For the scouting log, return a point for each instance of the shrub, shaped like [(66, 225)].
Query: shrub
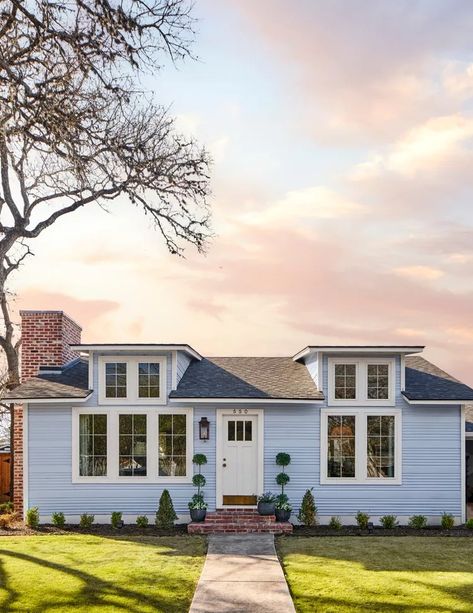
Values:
[(448, 521), (335, 523), (389, 521), (116, 519), (6, 507), (469, 524), (58, 520), (282, 479), (267, 497), (86, 520), (362, 520), (165, 515), (8, 519), (142, 521), (197, 501), (32, 517), (308, 511), (418, 522)]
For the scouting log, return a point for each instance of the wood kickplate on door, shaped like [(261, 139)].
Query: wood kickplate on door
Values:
[(239, 500)]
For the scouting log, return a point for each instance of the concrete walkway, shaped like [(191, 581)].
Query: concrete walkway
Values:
[(242, 574)]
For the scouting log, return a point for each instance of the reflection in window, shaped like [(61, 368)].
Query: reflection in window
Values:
[(240, 430), (345, 381), (172, 445), (93, 445), (148, 380), (115, 380), (378, 381), (380, 446), (341, 446), (132, 445)]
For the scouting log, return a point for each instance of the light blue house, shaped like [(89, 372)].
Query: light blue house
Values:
[(108, 427)]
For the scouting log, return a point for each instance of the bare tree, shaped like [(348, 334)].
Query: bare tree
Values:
[(75, 129)]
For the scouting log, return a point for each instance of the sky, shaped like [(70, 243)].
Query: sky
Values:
[(341, 134)]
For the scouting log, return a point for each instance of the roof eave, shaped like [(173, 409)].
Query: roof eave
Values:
[(441, 401), (54, 399), (247, 400), (405, 349), (86, 348)]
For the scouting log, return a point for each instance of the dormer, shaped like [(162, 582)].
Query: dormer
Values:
[(358, 375)]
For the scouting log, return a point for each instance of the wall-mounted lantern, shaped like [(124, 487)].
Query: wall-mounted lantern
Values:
[(204, 429)]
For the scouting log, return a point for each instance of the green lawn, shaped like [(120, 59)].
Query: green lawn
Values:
[(379, 573), (98, 574)]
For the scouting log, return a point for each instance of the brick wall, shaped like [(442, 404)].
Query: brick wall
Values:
[(45, 338)]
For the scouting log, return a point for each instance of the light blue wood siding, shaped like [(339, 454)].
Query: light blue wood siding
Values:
[(182, 362)]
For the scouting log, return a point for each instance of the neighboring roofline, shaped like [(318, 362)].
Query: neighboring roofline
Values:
[(54, 399), (406, 349), (450, 401), (247, 400), (137, 347)]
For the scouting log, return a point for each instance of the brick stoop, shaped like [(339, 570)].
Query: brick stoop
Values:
[(238, 521)]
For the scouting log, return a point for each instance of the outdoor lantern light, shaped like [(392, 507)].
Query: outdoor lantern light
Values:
[(204, 428)]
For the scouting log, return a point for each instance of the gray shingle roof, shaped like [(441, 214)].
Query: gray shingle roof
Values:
[(70, 383), (425, 381), (247, 377)]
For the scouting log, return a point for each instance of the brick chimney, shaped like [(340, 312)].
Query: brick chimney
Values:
[(45, 338)]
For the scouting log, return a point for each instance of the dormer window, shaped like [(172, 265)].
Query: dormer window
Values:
[(132, 380), (361, 381)]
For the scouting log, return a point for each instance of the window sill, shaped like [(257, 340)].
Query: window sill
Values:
[(374, 481), (332, 402), (130, 480)]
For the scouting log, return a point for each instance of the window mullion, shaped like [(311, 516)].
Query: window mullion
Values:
[(361, 446), (113, 444)]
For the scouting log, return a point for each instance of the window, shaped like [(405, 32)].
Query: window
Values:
[(117, 445), (132, 380), (345, 381), (360, 446), (341, 446), (148, 380), (380, 446), (240, 430), (361, 381), (132, 445), (378, 381), (172, 445), (115, 380), (93, 445)]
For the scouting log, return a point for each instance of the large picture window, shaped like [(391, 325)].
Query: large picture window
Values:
[(132, 445), (172, 445), (93, 445), (360, 446)]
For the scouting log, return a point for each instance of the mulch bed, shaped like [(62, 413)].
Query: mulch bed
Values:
[(380, 531), (97, 529)]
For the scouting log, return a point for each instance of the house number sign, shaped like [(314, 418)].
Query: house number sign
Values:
[(240, 411)]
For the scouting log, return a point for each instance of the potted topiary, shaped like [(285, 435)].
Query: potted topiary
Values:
[(197, 506), (283, 508), (266, 504)]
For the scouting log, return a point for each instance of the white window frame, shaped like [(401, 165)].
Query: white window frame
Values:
[(362, 382), (132, 390), (361, 451), (152, 455)]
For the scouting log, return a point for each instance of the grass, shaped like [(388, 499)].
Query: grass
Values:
[(99, 574), (340, 574)]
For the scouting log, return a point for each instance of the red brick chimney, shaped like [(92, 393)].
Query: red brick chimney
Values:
[(45, 338)]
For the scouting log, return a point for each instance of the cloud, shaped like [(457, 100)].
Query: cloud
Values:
[(423, 273)]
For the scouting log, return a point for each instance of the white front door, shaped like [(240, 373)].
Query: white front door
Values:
[(239, 457)]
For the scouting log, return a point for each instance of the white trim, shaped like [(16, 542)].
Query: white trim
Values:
[(362, 382), (246, 401), (259, 413), (25, 460), (355, 349), (173, 370), (440, 402), (403, 373), (132, 379), (48, 400), (463, 463), (152, 433), (144, 347), (90, 383), (320, 372), (361, 477), (468, 434)]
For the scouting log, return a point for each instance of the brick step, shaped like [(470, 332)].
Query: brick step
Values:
[(222, 518), (239, 528)]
